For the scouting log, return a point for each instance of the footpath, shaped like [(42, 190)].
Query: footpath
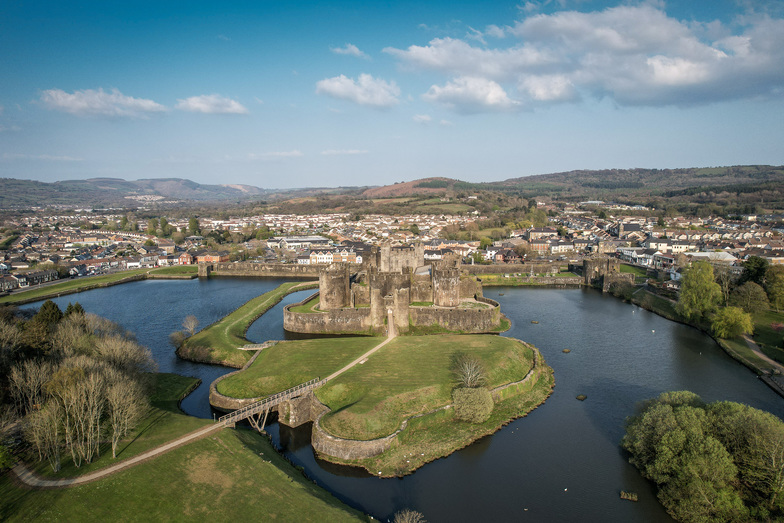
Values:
[(28, 477), (31, 479)]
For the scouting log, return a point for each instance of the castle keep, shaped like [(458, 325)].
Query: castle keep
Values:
[(394, 283)]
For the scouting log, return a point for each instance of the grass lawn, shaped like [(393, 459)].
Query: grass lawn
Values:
[(438, 434), (311, 307), (287, 364), (177, 270), (410, 376), (769, 340), (218, 342), (89, 282), (75, 285), (233, 475), (637, 271), (490, 280)]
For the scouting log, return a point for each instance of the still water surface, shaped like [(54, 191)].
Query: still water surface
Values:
[(560, 463)]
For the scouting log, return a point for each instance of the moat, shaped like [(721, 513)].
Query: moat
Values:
[(561, 463)]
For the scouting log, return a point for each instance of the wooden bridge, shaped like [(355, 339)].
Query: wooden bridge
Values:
[(256, 413)]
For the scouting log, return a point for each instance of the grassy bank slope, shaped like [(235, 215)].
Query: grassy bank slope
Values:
[(92, 282), (218, 343), (233, 475), (412, 375)]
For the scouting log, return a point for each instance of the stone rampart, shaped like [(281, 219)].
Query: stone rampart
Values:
[(513, 268), (276, 270), (460, 320), (347, 320), (226, 403)]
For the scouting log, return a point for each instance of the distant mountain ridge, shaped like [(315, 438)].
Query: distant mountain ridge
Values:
[(608, 184), (118, 192)]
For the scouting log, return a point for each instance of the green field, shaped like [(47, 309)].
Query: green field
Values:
[(176, 270), (767, 337), (287, 364), (233, 475), (218, 342), (412, 375), (438, 434), (90, 282), (311, 307)]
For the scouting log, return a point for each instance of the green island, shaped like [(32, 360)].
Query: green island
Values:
[(95, 282), (239, 462), (408, 384), (218, 343)]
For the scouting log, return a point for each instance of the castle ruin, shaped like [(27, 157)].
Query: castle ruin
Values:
[(395, 279)]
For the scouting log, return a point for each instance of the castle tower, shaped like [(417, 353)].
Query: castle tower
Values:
[(446, 282), (334, 291)]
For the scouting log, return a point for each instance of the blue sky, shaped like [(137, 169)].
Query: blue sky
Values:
[(296, 94)]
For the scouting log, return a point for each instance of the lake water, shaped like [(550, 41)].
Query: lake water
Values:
[(560, 463)]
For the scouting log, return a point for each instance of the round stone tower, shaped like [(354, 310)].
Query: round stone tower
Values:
[(446, 286), (334, 291)]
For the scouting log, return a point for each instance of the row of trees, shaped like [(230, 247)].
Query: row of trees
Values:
[(723, 461), (73, 380), (725, 300)]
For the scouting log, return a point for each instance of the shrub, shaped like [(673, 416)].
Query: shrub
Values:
[(472, 404)]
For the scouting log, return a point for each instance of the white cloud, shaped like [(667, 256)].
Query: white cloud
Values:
[(349, 50), (343, 152), (548, 88), (495, 31), (211, 104), (276, 154), (364, 91), (446, 123), (89, 102), (44, 157), (422, 118), (632, 54), (471, 94)]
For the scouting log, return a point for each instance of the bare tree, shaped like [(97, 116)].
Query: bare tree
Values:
[(27, 381), (126, 406), (409, 516), (124, 354), (725, 279), (71, 336), (469, 371), (42, 429), (190, 324)]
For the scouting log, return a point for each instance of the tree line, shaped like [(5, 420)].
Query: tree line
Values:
[(721, 461), (73, 381), (726, 301)]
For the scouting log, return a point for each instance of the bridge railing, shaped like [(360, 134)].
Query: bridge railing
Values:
[(270, 401)]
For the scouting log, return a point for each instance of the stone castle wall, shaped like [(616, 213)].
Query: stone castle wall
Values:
[(334, 291), (266, 269), (346, 320), (464, 320), (513, 268), (446, 286)]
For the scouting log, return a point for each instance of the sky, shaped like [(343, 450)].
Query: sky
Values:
[(354, 93)]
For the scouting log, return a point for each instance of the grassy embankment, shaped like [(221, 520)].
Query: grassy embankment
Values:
[(409, 377), (232, 475), (71, 286), (640, 274), (218, 343), (511, 280)]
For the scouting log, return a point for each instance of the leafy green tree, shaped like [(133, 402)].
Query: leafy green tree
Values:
[(152, 225), (731, 322), (750, 297), (193, 227), (755, 270), (774, 286), (700, 294), (49, 314), (472, 404)]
